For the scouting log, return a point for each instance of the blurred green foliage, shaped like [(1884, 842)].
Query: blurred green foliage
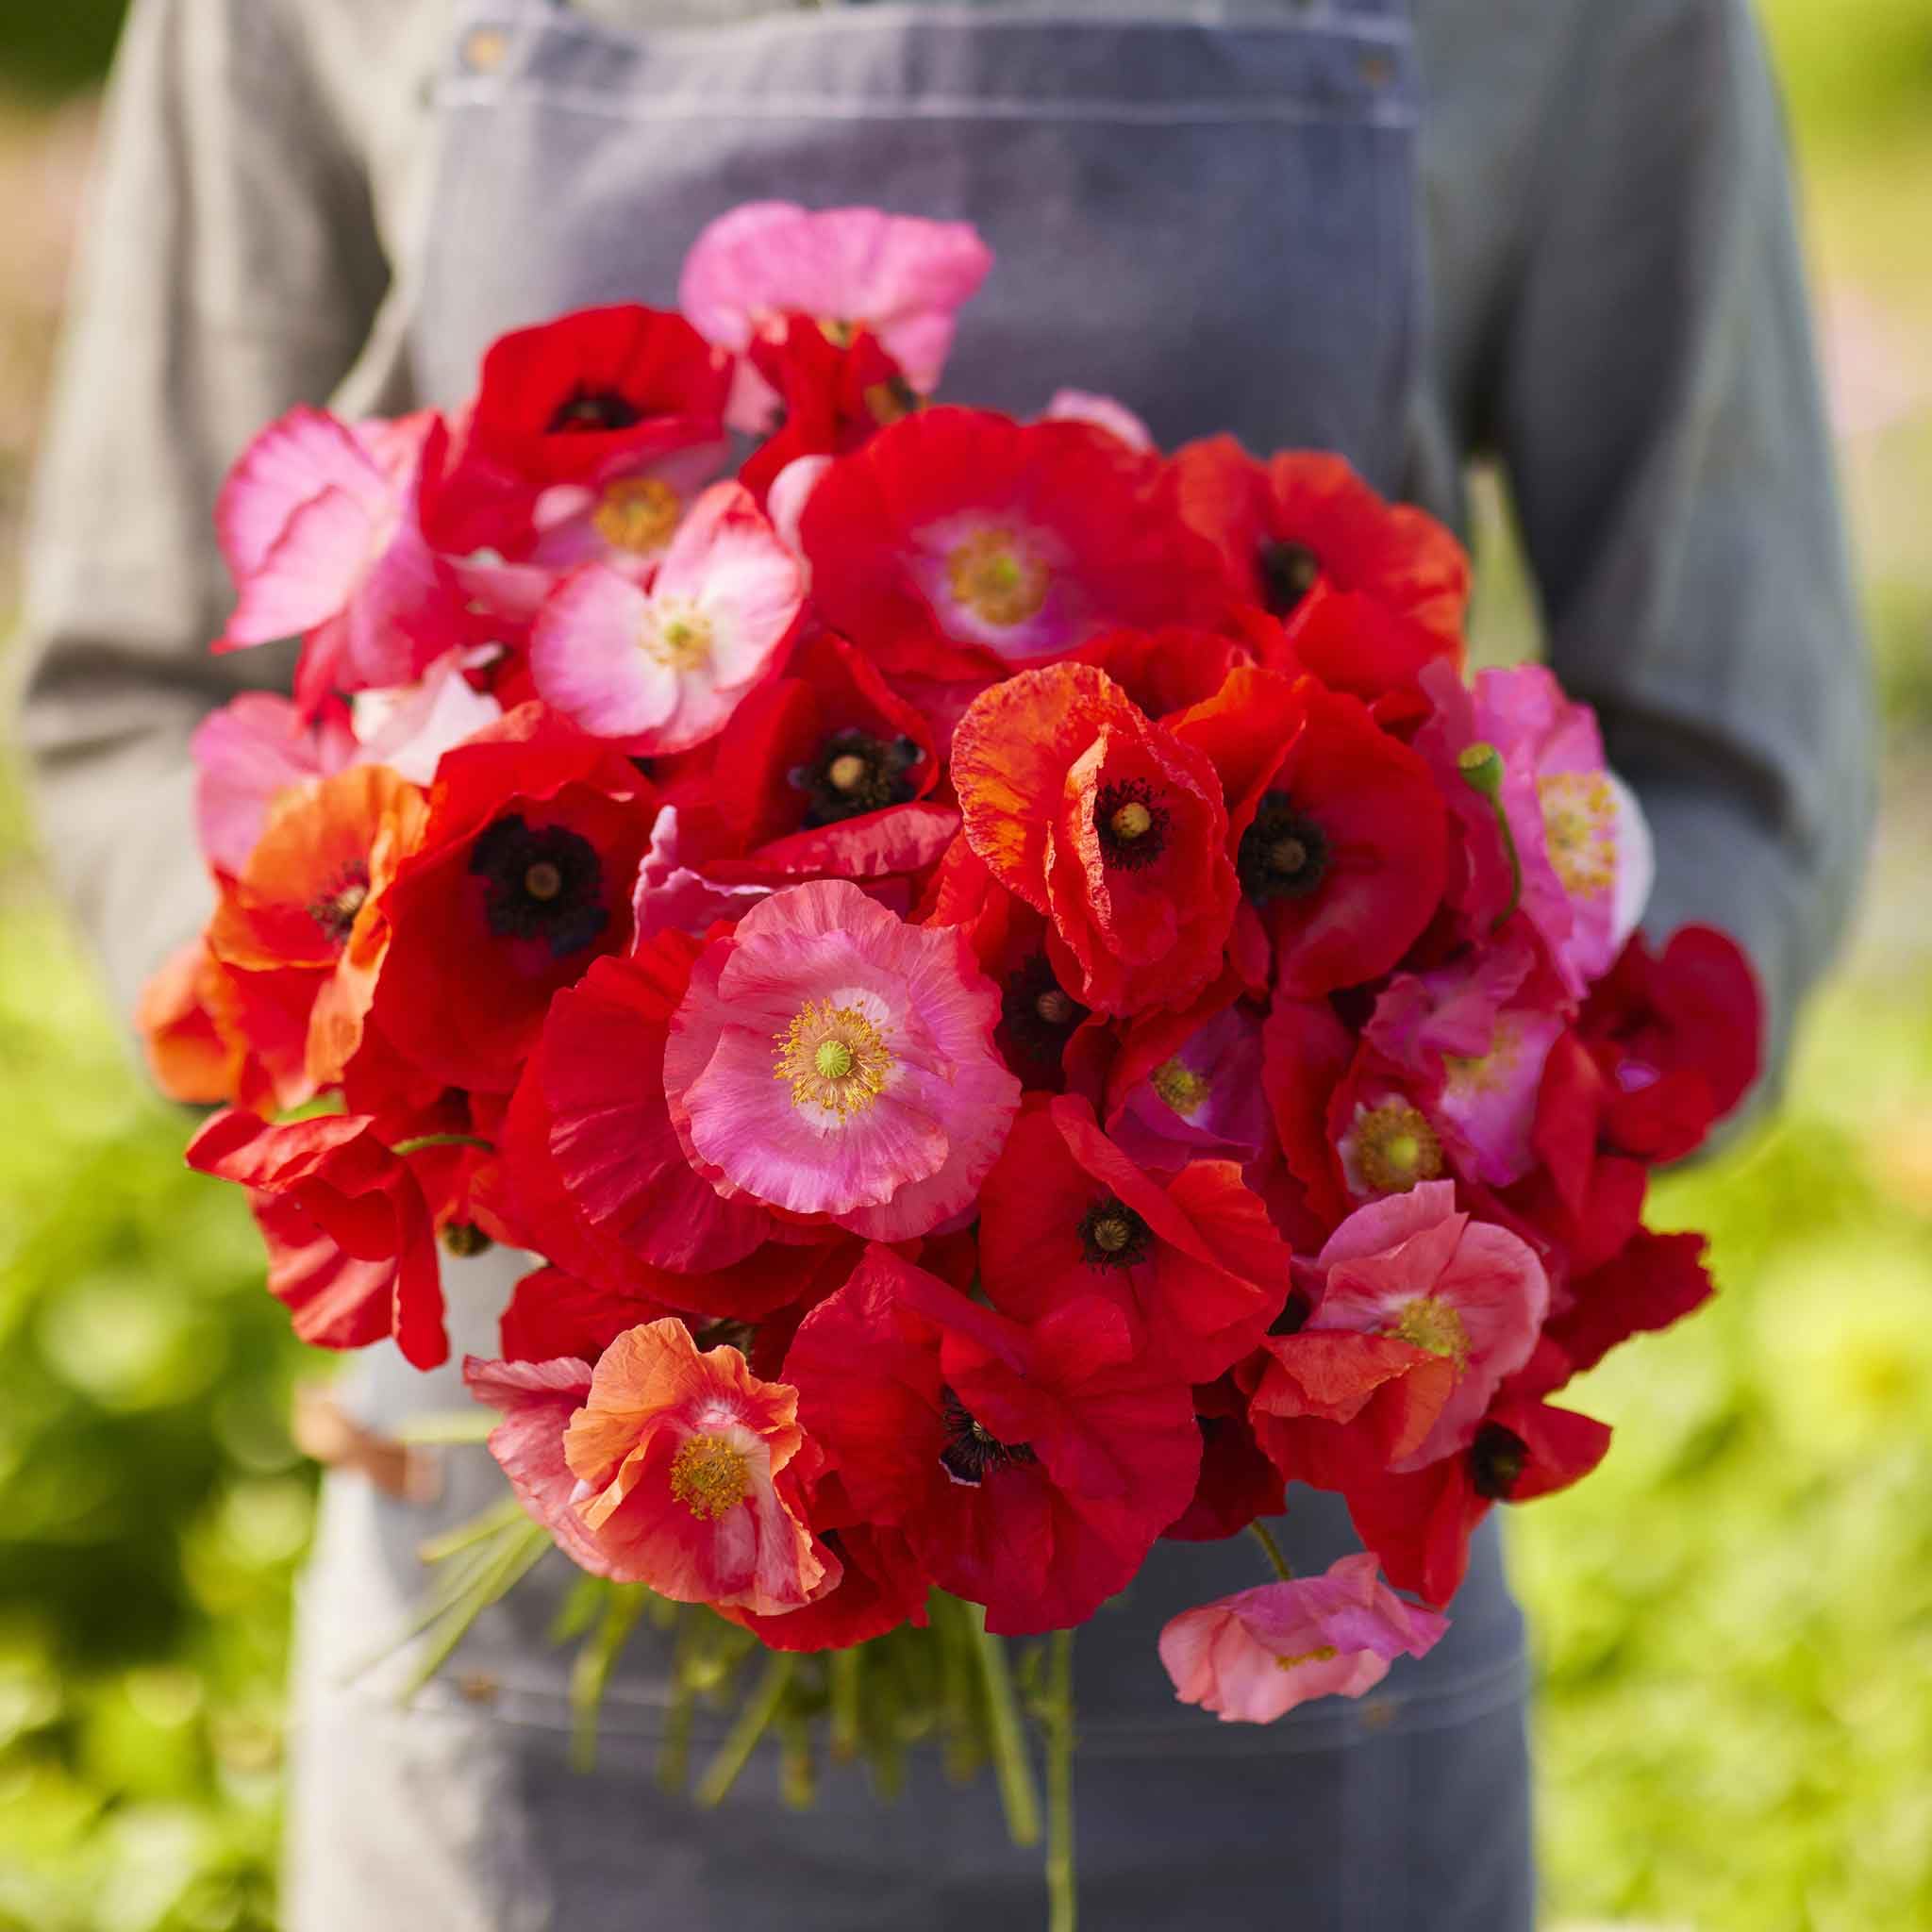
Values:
[(1733, 1617)]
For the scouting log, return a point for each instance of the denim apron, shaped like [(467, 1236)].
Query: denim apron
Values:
[(1208, 213)]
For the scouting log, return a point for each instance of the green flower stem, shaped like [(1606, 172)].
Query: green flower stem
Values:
[(465, 1536), (1267, 1541), (591, 1672), (1018, 1795), (405, 1148), (673, 1760), (1481, 766), (1061, 1885), (843, 1668), (754, 1721), (520, 1554)]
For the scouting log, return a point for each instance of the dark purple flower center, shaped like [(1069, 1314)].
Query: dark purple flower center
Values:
[(971, 1453), (335, 910), (1284, 854), (1041, 1016), (594, 412), (541, 882), (1113, 1236), (1289, 573), (855, 773), (1132, 824), (1497, 1460)]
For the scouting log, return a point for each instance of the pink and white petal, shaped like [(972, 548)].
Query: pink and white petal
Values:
[(1636, 867), (588, 660), (1103, 412), (409, 727), (675, 895), (538, 1400), (786, 499), (256, 746), (298, 459)]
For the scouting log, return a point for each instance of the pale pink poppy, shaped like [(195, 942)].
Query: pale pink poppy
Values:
[(674, 894), (662, 669), (789, 492), (627, 521), (829, 1059), (246, 754), (1415, 1267), (1253, 1656), (409, 727), (1203, 1101), (901, 277), (320, 522)]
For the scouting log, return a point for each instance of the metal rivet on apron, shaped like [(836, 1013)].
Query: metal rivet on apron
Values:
[(484, 49), (1378, 69)]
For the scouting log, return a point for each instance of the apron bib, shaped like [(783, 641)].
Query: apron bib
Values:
[(1212, 221)]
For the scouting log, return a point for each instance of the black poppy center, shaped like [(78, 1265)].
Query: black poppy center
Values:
[(1496, 1458), (1113, 1236), (1284, 854), (594, 412), (542, 882), (1289, 573), (972, 1452), (1132, 824), (1039, 1014), (335, 910), (855, 773)]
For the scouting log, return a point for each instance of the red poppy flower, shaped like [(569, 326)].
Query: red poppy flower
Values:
[(1166, 671), (1030, 1467), (1195, 1264), (827, 746), (1238, 1484), (1337, 830), (605, 390), (1420, 1524), (1654, 1280), (552, 1314), (1304, 520), (1108, 824), (523, 875), (299, 928), (958, 541), (351, 1249), (194, 1052), (835, 389)]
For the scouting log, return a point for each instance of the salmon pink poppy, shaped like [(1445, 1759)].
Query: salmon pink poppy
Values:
[(1105, 822), (684, 1461), (831, 1059), (958, 541), (899, 277), (321, 525), (1253, 1656), (1416, 1270), (1194, 1263), (662, 669)]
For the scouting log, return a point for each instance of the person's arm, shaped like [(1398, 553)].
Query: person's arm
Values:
[(1657, 404), (229, 267)]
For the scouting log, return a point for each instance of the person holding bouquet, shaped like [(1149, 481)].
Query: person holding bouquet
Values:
[(1556, 234)]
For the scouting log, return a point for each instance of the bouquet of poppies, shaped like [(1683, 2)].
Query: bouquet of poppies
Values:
[(1018, 996)]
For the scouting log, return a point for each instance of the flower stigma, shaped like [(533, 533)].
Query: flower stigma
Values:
[(833, 1058), (1183, 1090), (679, 637), (1395, 1148), (1432, 1323), (709, 1476), (1001, 582)]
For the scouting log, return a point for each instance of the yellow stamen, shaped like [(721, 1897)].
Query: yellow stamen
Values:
[(1395, 1148), (709, 1476), (1434, 1325), (834, 1059), (1580, 827), (678, 637), (1185, 1090), (1133, 821), (996, 579), (638, 513), (1327, 1654)]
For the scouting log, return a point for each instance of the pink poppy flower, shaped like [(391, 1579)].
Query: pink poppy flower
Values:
[(1414, 1269), (688, 1469), (627, 521), (410, 726), (1102, 412), (901, 277), (1203, 1101), (1478, 1039), (1253, 1656), (320, 522), (1586, 853), (256, 747), (831, 1059), (663, 670)]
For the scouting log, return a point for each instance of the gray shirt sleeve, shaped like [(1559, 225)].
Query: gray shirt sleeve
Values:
[(229, 269), (1657, 404)]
